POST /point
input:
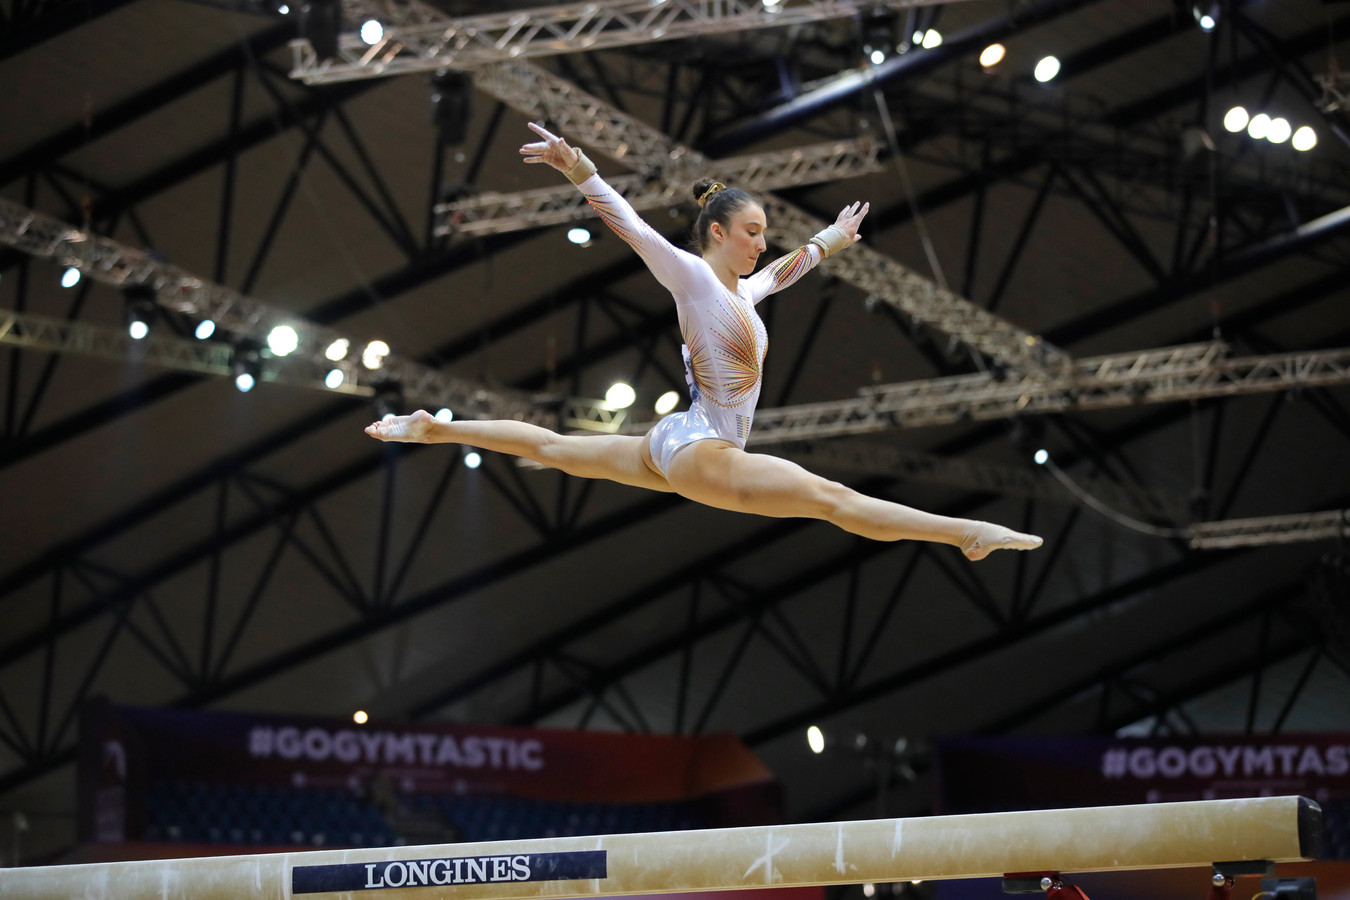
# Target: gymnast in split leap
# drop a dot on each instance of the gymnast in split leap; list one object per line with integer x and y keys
{"x": 700, "y": 454}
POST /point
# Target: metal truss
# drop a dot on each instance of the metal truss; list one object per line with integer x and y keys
{"x": 593, "y": 122}
{"x": 180, "y": 291}
{"x": 163, "y": 351}
{"x": 1191, "y": 372}
{"x": 974, "y": 474}
{"x": 1166, "y": 375}
{"x": 418, "y": 37}
{"x": 1265, "y": 530}
{"x": 492, "y": 213}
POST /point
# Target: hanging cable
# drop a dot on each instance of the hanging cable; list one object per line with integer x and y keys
{"x": 1114, "y": 515}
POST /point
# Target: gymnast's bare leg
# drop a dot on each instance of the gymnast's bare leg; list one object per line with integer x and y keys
{"x": 714, "y": 473}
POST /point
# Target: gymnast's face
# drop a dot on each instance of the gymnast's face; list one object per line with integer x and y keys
{"x": 742, "y": 241}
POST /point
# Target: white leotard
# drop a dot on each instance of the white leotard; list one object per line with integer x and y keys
{"x": 724, "y": 338}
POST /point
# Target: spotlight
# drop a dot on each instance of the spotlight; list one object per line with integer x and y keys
{"x": 284, "y": 9}
{"x": 372, "y": 31}
{"x": 1305, "y": 138}
{"x": 1046, "y": 69}
{"x": 931, "y": 38}
{"x": 1041, "y": 457}
{"x": 580, "y": 236}
{"x": 473, "y": 459}
{"x": 1259, "y": 126}
{"x": 620, "y": 396}
{"x": 992, "y": 55}
{"x": 869, "y": 889}
{"x": 772, "y": 5}
{"x": 373, "y": 356}
{"x": 1207, "y": 23}
{"x": 338, "y": 349}
{"x": 140, "y": 309}
{"x": 880, "y": 28}
{"x": 70, "y": 277}
{"x": 666, "y": 402}
{"x": 246, "y": 367}
{"x": 1207, "y": 17}
{"x": 815, "y": 739}
{"x": 451, "y": 106}
{"x": 205, "y": 328}
{"x": 444, "y": 415}
{"x": 333, "y": 380}
{"x": 1279, "y": 130}
{"x": 1236, "y": 119}
{"x": 282, "y": 340}
{"x": 360, "y": 717}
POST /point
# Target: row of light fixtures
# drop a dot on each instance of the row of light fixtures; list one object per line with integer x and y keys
{"x": 1275, "y": 129}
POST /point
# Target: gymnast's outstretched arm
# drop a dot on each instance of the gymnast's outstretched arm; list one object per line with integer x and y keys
{"x": 676, "y": 269}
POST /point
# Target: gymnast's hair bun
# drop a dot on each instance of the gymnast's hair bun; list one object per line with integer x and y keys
{"x": 701, "y": 187}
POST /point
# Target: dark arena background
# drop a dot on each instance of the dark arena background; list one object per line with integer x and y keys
{"x": 1102, "y": 295}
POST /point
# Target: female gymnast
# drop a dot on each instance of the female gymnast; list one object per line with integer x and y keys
{"x": 700, "y": 454}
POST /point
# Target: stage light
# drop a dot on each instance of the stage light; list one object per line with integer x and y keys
{"x": 284, "y": 9}
{"x": 205, "y": 328}
{"x": 451, "y": 106}
{"x": 282, "y": 340}
{"x": 333, "y": 380}
{"x": 666, "y": 402}
{"x": 141, "y": 307}
{"x": 878, "y": 57}
{"x": 580, "y": 236}
{"x": 992, "y": 55}
{"x": 246, "y": 367}
{"x": 815, "y": 739}
{"x": 444, "y": 415}
{"x": 1279, "y": 130}
{"x": 869, "y": 889}
{"x": 1236, "y": 119}
{"x": 880, "y": 34}
{"x": 771, "y": 4}
{"x": 473, "y": 459}
{"x": 1305, "y": 138}
{"x": 620, "y": 396}
{"x": 1046, "y": 69}
{"x": 932, "y": 38}
{"x": 373, "y": 356}
{"x": 360, "y": 717}
{"x": 321, "y": 25}
{"x": 70, "y": 277}
{"x": 1207, "y": 23}
{"x": 371, "y": 31}
{"x": 1259, "y": 126}
{"x": 338, "y": 349}
{"x": 1041, "y": 457}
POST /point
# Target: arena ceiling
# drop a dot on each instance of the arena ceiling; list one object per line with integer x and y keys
{"x": 168, "y": 540}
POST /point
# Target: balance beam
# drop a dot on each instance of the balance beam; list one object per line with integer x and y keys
{"x": 1153, "y": 836}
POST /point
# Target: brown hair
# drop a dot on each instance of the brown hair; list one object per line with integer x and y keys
{"x": 719, "y": 207}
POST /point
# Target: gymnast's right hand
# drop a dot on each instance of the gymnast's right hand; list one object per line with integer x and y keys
{"x": 552, "y": 150}
{"x": 413, "y": 429}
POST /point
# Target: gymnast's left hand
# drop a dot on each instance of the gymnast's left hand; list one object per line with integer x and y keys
{"x": 552, "y": 150}
{"x": 850, "y": 218}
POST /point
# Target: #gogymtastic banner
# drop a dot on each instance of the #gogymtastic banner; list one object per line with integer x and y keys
{"x": 123, "y": 750}
{"x": 997, "y": 774}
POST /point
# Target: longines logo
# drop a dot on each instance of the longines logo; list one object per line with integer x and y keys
{"x": 409, "y": 873}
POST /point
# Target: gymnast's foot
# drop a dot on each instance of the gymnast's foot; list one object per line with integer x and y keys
{"x": 982, "y": 538}
{"x": 414, "y": 429}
